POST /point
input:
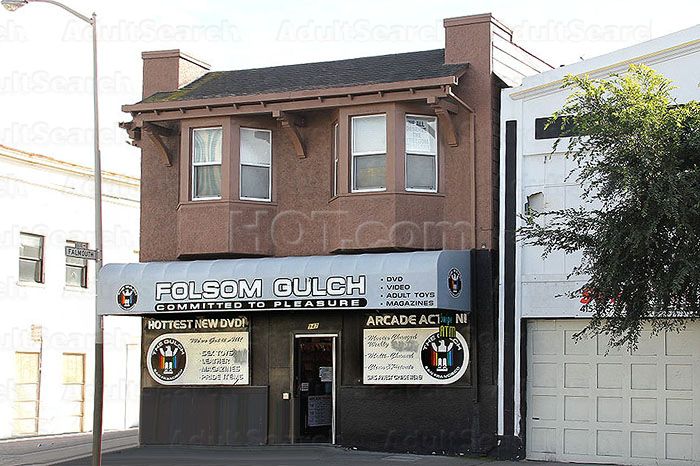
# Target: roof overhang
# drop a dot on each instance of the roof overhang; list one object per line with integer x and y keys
{"x": 410, "y": 280}
{"x": 292, "y": 101}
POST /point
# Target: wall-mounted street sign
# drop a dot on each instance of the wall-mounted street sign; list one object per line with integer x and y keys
{"x": 407, "y": 280}
{"x": 81, "y": 252}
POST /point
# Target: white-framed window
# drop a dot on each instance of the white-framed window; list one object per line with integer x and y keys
{"x": 206, "y": 163}
{"x": 421, "y": 153}
{"x": 369, "y": 153}
{"x": 76, "y": 268}
{"x": 31, "y": 258}
{"x": 256, "y": 164}
{"x": 336, "y": 146}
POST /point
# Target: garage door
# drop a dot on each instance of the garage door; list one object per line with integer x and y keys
{"x": 586, "y": 406}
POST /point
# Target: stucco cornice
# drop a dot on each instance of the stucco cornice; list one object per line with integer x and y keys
{"x": 43, "y": 161}
{"x": 650, "y": 58}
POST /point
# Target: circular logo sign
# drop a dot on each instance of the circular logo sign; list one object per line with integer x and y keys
{"x": 166, "y": 359}
{"x": 127, "y": 297}
{"x": 454, "y": 282}
{"x": 445, "y": 358}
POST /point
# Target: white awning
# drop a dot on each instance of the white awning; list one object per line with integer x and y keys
{"x": 407, "y": 280}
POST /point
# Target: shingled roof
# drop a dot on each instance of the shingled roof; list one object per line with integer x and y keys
{"x": 322, "y": 75}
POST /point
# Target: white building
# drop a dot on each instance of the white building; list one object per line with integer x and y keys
{"x": 578, "y": 404}
{"x": 48, "y": 301}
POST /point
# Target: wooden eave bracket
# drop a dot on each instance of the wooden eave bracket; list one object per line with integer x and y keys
{"x": 289, "y": 125}
{"x": 156, "y": 134}
{"x": 444, "y": 111}
{"x": 132, "y": 130}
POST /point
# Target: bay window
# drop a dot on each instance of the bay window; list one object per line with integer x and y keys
{"x": 206, "y": 163}
{"x": 369, "y": 153}
{"x": 421, "y": 153}
{"x": 256, "y": 164}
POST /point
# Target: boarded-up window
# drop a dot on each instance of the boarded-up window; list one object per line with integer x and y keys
{"x": 73, "y": 368}
{"x": 26, "y": 407}
{"x": 74, "y": 391}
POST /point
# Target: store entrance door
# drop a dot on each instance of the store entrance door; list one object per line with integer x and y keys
{"x": 314, "y": 388}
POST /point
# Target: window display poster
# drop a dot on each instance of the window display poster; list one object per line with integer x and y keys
{"x": 204, "y": 358}
{"x": 412, "y": 356}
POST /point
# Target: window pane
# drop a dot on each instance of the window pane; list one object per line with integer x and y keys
{"x": 369, "y": 134}
{"x": 30, "y": 246}
{"x": 207, "y": 145}
{"x": 75, "y": 276}
{"x": 370, "y": 171}
{"x": 76, "y": 261}
{"x": 255, "y": 146}
{"x": 255, "y": 182}
{"x": 420, "y": 172}
{"x": 73, "y": 368}
{"x": 207, "y": 181}
{"x": 27, "y": 368}
{"x": 336, "y": 146}
{"x": 29, "y": 271}
{"x": 421, "y": 135}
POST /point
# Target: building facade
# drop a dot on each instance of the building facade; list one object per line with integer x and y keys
{"x": 47, "y": 336}
{"x": 569, "y": 401}
{"x": 318, "y": 247}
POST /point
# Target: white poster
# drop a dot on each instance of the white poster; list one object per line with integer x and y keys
{"x": 409, "y": 356}
{"x": 320, "y": 410}
{"x": 420, "y": 136}
{"x": 214, "y": 358}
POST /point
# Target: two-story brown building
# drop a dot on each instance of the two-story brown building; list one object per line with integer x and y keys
{"x": 317, "y": 247}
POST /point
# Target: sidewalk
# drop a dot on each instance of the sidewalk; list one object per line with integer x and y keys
{"x": 46, "y": 450}
{"x": 290, "y": 455}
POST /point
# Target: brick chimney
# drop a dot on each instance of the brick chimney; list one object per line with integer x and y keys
{"x": 169, "y": 70}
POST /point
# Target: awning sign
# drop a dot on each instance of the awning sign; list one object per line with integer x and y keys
{"x": 415, "y": 280}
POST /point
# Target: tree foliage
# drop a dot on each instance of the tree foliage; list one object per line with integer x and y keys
{"x": 637, "y": 154}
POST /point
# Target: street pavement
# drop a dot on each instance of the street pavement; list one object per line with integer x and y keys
{"x": 45, "y": 450}
{"x": 292, "y": 455}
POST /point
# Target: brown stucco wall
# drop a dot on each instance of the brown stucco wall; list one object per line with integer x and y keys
{"x": 303, "y": 218}
{"x": 469, "y": 39}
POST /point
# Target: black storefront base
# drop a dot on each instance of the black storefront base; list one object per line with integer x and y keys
{"x": 204, "y": 416}
{"x": 441, "y": 420}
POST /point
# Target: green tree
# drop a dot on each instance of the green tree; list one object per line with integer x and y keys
{"x": 638, "y": 158}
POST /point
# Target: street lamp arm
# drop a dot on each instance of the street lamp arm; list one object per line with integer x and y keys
{"x": 70, "y": 10}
